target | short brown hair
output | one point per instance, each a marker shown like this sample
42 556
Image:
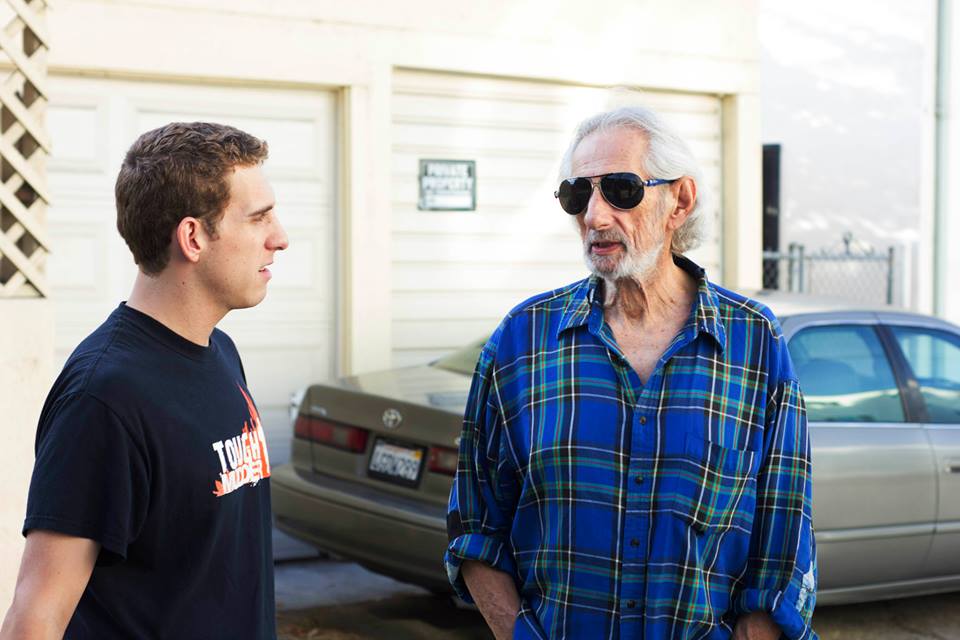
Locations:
173 172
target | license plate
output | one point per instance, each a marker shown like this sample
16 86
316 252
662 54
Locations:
395 463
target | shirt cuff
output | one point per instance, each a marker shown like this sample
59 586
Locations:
475 546
787 612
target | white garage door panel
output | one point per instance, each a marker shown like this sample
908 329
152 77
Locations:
481 276
417 305
476 108
456 273
79 139
427 334
516 249
303 267
483 139
288 339
529 100
75 278
517 219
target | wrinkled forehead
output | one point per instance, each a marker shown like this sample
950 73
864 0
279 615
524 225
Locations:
609 151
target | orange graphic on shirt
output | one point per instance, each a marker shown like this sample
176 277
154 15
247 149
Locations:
243 458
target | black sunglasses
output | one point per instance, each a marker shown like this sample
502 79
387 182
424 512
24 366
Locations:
620 190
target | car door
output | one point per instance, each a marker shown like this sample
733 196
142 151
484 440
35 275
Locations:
932 354
874 490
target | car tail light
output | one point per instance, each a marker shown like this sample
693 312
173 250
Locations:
340 436
443 460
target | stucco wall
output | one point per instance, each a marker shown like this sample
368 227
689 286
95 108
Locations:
26 353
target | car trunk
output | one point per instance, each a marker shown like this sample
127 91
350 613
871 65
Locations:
393 431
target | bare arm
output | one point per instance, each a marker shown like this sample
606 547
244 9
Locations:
54 571
495 595
757 625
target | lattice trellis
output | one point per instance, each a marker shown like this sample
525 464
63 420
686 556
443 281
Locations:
24 146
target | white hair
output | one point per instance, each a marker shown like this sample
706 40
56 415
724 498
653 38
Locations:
668 157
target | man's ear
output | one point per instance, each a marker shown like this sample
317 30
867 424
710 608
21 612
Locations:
686 198
190 239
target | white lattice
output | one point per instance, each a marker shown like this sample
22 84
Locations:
24 146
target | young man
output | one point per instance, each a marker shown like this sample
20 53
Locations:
149 507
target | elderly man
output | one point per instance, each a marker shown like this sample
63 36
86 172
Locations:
635 460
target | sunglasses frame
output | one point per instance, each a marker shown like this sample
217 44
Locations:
597 182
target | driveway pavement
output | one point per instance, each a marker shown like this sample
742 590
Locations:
934 617
332 600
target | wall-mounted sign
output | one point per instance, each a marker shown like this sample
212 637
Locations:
448 185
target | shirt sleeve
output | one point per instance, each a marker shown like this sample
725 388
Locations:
89 480
483 496
781 576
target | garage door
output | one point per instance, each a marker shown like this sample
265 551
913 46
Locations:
456 273
288 339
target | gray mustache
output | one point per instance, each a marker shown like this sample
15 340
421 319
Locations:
607 235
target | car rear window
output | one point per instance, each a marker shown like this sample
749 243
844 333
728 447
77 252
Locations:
845 375
934 357
463 360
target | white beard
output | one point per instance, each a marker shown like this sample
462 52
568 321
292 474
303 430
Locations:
636 266
640 267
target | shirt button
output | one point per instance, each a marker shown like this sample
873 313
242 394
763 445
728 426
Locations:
631 604
643 419
638 479
634 542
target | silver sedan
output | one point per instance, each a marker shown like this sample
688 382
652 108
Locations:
374 455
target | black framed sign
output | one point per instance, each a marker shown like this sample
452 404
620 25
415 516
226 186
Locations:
448 185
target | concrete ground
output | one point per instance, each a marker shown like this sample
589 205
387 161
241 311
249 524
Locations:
934 617
333 600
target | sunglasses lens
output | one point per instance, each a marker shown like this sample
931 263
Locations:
622 190
574 195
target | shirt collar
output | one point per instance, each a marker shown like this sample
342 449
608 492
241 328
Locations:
705 316
580 300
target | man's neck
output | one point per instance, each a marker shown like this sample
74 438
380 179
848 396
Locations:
667 292
170 300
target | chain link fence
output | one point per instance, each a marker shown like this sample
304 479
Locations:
857 274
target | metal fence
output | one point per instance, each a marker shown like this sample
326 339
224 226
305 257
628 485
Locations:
852 274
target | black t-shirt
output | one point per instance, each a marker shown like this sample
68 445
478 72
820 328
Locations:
151 445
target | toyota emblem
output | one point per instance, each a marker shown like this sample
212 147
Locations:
392 418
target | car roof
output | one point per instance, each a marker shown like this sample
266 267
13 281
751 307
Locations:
784 304
801 308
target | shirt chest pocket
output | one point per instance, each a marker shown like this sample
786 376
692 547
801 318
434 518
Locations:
716 487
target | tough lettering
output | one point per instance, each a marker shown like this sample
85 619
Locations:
218 447
233 456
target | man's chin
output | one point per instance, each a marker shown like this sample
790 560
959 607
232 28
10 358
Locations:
605 268
615 272
249 301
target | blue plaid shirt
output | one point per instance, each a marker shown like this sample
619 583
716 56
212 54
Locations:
625 510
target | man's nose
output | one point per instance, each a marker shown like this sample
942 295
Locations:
278 241
599 214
